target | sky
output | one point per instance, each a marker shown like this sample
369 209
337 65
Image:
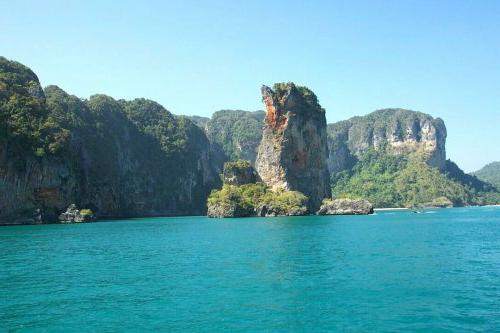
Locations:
196 57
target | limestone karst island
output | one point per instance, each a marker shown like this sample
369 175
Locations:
66 159
250 166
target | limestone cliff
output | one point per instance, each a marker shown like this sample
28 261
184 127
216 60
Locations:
233 135
118 158
397 131
293 152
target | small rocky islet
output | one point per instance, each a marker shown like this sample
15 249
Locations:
58 150
244 195
291 176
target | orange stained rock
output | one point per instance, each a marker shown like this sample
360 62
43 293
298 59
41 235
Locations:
274 119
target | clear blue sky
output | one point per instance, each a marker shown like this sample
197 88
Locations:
196 57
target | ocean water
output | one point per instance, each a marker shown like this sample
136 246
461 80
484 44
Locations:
393 271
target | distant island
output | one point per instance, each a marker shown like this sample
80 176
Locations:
62 157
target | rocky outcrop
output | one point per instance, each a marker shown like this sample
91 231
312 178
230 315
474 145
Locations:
239 172
345 207
75 215
234 208
228 209
396 131
268 210
242 194
293 152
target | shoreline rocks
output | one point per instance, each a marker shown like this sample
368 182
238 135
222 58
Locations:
75 215
231 209
345 207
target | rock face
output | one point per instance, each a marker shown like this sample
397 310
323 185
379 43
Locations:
345 207
118 158
233 135
36 190
293 152
239 173
397 131
74 215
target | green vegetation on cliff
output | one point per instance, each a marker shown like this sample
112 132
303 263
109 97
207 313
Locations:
235 134
397 158
308 99
407 180
384 124
248 198
395 131
373 178
117 157
135 158
239 172
25 123
241 195
418 183
490 173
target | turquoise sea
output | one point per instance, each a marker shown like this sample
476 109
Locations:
393 271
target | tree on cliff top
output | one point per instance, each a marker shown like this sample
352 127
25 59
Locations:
26 122
308 97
